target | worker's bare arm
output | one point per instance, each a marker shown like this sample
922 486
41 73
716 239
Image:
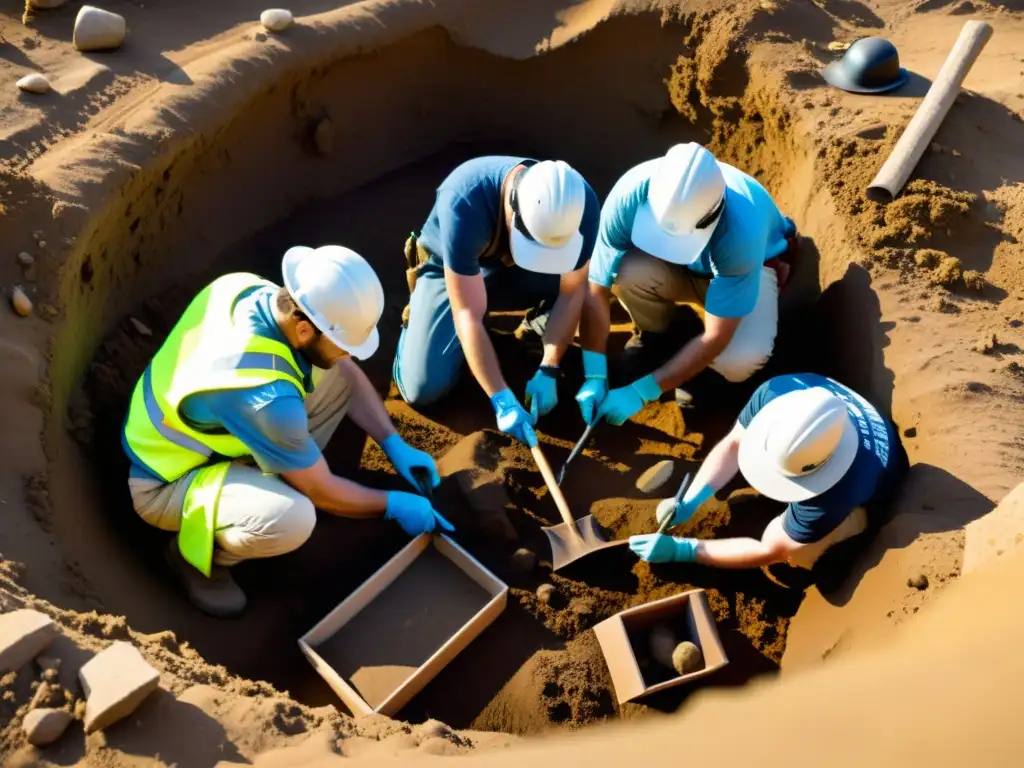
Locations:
366 408
335 494
774 547
595 320
468 296
565 315
722 462
698 353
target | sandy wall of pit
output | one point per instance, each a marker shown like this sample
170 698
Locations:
154 194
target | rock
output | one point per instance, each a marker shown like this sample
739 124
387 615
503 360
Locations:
45 726
26 259
432 729
276 19
323 136
21 303
661 642
654 477
116 681
42 5
141 327
42 243
34 83
547 593
910 432
24 635
920 581
523 560
835 45
98 30
687 658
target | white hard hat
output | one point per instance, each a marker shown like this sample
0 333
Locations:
548 203
799 445
683 206
339 292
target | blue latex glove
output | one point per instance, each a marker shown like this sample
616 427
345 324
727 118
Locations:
413 513
595 387
541 393
659 548
625 402
691 502
405 459
512 419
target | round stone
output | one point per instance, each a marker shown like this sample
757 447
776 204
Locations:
276 19
687 658
34 83
654 477
547 593
45 726
98 30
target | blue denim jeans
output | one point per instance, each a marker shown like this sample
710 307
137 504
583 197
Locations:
429 359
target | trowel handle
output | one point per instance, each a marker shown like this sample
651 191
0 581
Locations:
556 492
679 497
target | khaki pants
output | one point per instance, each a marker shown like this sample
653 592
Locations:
807 555
258 515
651 289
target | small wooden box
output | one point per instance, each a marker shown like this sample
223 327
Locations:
396 632
623 640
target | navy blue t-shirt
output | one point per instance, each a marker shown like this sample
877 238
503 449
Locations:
468 210
873 471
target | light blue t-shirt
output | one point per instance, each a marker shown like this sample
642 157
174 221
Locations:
874 470
468 209
270 420
751 232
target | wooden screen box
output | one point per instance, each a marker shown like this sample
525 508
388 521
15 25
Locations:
396 632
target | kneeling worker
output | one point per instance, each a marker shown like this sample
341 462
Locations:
227 423
504 233
683 228
807 441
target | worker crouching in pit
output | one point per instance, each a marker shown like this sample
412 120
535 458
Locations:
804 440
504 233
227 423
683 229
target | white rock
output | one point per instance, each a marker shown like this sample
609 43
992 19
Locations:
44 4
34 83
98 30
276 19
116 681
24 634
45 726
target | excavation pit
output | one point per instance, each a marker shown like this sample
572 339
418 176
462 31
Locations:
255 181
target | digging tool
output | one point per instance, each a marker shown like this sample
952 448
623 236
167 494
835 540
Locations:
679 497
571 539
576 449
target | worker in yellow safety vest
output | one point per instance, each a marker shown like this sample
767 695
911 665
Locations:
227 423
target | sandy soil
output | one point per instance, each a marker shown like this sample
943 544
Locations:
191 151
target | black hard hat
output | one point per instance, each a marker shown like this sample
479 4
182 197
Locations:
870 65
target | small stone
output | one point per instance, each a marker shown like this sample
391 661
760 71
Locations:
835 45
687 658
523 560
98 30
654 477
24 634
547 593
276 19
956 152
323 136
21 303
141 327
433 729
45 726
26 259
34 83
919 582
910 432
42 243
116 681
36 236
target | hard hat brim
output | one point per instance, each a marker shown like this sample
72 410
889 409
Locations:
838 76
764 476
289 264
531 255
648 236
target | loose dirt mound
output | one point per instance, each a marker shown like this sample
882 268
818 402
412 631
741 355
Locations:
142 199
